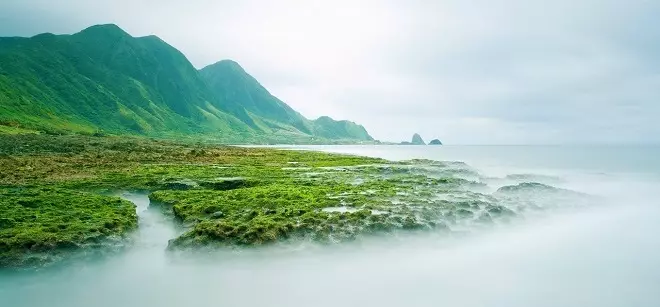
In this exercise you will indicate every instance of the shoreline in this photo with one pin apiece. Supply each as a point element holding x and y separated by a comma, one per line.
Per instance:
<point>242,197</point>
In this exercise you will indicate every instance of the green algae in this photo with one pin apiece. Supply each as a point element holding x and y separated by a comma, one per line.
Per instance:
<point>376,198</point>
<point>235,196</point>
<point>49,221</point>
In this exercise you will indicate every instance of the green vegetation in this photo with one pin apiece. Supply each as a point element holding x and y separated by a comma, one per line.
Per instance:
<point>233,196</point>
<point>104,81</point>
<point>250,101</point>
<point>40,224</point>
<point>327,127</point>
<point>246,195</point>
<point>54,180</point>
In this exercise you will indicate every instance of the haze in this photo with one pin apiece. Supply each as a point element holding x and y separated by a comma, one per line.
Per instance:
<point>477,72</point>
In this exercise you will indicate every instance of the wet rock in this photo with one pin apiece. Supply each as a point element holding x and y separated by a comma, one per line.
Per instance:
<point>228,183</point>
<point>485,218</point>
<point>527,187</point>
<point>217,215</point>
<point>182,184</point>
<point>500,211</point>
<point>211,208</point>
<point>410,223</point>
<point>464,213</point>
<point>438,225</point>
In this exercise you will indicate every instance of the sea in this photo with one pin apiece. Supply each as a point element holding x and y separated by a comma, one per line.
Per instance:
<point>605,254</point>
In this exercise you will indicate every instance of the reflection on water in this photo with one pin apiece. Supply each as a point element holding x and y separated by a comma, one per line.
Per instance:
<point>603,255</point>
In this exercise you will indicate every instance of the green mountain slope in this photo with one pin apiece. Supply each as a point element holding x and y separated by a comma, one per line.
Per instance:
<point>248,100</point>
<point>103,79</point>
<point>327,127</point>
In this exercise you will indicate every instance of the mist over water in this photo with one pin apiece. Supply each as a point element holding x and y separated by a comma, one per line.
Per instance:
<point>607,254</point>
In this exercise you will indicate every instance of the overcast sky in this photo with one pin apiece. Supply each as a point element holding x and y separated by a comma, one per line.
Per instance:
<point>467,72</point>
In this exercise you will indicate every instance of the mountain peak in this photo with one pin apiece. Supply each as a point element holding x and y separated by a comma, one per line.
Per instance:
<point>225,64</point>
<point>104,29</point>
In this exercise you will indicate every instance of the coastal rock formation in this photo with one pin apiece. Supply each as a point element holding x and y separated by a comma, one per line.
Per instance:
<point>235,196</point>
<point>435,142</point>
<point>41,225</point>
<point>417,140</point>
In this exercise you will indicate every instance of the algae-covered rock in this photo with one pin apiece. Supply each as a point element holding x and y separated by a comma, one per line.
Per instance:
<point>234,196</point>
<point>182,184</point>
<point>326,207</point>
<point>44,225</point>
<point>227,183</point>
<point>217,215</point>
<point>527,187</point>
<point>535,196</point>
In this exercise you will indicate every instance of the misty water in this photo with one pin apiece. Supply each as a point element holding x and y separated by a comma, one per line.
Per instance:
<point>607,254</point>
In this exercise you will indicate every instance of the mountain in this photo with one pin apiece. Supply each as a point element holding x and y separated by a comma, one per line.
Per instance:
<point>103,79</point>
<point>435,142</point>
<point>327,127</point>
<point>249,101</point>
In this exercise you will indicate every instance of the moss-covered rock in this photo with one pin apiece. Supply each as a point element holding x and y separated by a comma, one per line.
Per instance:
<point>236,196</point>
<point>39,224</point>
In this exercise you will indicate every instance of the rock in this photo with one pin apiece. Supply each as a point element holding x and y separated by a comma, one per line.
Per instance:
<point>183,184</point>
<point>410,223</point>
<point>464,213</point>
<point>228,183</point>
<point>435,142</point>
<point>500,211</point>
<point>217,215</point>
<point>417,140</point>
<point>527,187</point>
<point>485,218</point>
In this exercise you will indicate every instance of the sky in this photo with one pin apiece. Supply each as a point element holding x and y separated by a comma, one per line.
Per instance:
<point>466,72</point>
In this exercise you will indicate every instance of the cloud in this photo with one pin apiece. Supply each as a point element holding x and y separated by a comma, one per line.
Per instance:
<point>502,71</point>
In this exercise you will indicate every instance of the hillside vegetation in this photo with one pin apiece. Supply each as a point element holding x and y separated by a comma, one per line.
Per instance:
<point>103,80</point>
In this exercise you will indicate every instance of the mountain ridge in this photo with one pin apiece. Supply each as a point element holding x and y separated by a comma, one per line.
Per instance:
<point>104,79</point>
